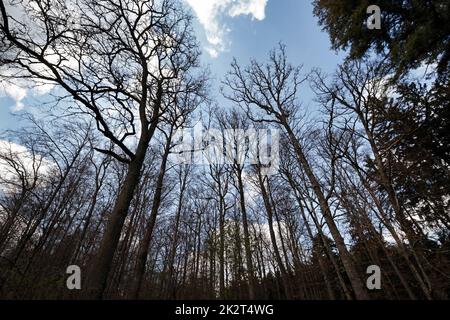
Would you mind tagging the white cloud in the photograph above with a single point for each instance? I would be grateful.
(14, 92)
(210, 14)
(18, 90)
(212, 52)
(255, 8)
(30, 165)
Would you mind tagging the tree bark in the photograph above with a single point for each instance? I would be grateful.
(145, 242)
(101, 265)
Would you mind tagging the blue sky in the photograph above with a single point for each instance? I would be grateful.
(290, 21)
(243, 29)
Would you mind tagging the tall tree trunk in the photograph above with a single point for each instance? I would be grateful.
(267, 205)
(222, 248)
(101, 265)
(349, 265)
(173, 248)
(145, 242)
(327, 281)
(383, 216)
(248, 252)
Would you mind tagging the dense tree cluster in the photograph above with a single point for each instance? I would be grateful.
(91, 180)
(413, 31)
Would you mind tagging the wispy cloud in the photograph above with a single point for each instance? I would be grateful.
(19, 90)
(14, 92)
(211, 13)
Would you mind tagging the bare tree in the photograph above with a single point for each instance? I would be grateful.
(121, 62)
(273, 89)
